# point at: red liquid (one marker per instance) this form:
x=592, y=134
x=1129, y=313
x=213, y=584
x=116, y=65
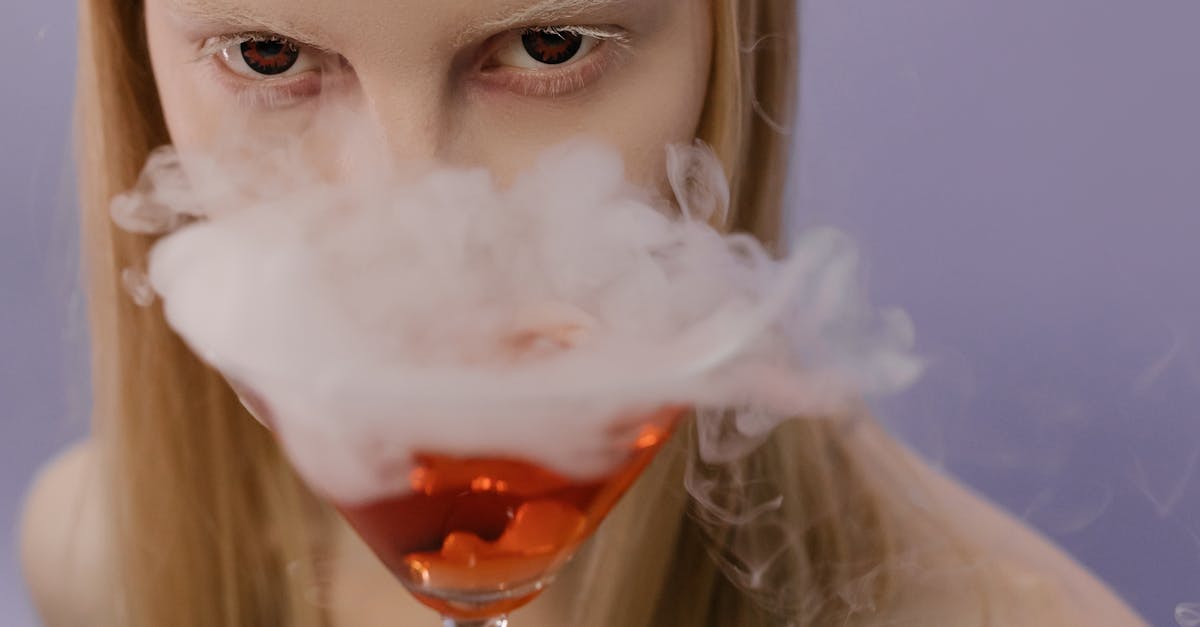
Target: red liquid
x=484, y=525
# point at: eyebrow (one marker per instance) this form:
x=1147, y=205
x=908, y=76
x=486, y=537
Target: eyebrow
x=213, y=13
x=538, y=12
x=541, y=12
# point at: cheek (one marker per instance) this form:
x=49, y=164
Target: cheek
x=190, y=119
x=637, y=117
x=190, y=123
x=656, y=99
x=666, y=105
x=644, y=138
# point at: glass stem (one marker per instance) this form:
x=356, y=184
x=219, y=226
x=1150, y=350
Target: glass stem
x=499, y=621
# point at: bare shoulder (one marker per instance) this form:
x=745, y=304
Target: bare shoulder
x=972, y=558
x=63, y=539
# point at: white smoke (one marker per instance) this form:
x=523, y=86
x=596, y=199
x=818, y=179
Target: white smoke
x=374, y=315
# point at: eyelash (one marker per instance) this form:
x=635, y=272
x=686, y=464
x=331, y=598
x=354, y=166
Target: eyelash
x=573, y=76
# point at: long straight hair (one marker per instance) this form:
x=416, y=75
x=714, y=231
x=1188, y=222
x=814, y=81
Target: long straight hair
x=212, y=527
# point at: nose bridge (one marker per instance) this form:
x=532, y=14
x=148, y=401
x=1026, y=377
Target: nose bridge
x=409, y=114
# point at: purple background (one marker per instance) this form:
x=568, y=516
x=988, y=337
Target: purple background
x=1024, y=177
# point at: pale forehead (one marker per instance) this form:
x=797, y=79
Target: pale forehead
x=461, y=20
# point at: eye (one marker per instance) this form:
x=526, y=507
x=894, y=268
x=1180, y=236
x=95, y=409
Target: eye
x=545, y=61
x=259, y=57
x=539, y=48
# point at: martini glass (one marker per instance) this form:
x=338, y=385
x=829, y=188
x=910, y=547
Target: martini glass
x=475, y=537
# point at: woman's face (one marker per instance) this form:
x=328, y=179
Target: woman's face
x=469, y=82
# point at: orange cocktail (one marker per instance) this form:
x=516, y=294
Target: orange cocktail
x=474, y=537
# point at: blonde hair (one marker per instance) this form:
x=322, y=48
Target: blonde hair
x=211, y=525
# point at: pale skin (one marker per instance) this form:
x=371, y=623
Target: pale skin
x=447, y=80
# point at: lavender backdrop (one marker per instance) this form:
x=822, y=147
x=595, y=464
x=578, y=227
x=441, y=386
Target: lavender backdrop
x=1024, y=177
x=38, y=356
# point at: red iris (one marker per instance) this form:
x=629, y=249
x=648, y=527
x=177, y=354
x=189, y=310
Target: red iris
x=551, y=48
x=270, y=57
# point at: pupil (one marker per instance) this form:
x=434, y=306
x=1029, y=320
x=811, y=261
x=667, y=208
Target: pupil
x=551, y=48
x=270, y=57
